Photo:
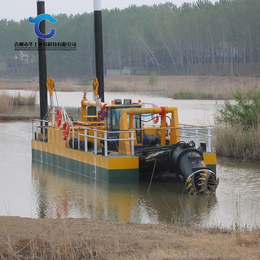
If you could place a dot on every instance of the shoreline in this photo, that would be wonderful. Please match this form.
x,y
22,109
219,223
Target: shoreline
x,y
11,118
219,87
23,238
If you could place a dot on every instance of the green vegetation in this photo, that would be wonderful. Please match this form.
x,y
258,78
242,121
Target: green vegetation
x,y
199,38
86,80
238,130
246,113
192,95
153,78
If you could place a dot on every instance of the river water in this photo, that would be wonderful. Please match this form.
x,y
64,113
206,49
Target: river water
x,y
30,189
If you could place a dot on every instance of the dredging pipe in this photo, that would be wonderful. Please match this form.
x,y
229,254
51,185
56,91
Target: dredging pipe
x,y
191,168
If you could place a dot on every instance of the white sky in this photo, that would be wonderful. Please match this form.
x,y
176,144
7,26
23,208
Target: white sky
x,y
20,9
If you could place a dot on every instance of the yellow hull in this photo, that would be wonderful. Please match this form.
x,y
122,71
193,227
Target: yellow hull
x,y
115,168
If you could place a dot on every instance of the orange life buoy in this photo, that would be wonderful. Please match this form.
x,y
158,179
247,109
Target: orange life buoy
x,y
59,116
65,130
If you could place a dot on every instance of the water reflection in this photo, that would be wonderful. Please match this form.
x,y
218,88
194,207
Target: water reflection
x,y
172,205
62,194
25,110
239,193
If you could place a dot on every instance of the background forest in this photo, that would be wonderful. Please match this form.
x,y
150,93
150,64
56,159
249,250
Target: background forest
x,y
202,38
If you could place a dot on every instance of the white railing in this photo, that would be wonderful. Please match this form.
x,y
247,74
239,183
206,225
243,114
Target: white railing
x,y
40,127
43,124
197,134
187,133
96,136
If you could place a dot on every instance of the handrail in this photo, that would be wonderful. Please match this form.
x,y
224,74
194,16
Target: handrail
x,y
43,124
191,132
105,138
197,134
39,124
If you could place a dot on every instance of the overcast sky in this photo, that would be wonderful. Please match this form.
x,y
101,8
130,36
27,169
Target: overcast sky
x,y
20,9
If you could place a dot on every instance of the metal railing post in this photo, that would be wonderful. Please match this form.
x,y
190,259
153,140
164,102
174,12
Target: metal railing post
x,y
132,143
34,131
68,140
105,142
95,141
196,138
43,137
183,134
78,139
209,140
86,139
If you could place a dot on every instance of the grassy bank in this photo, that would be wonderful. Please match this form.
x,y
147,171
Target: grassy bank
x,y
235,142
237,131
60,85
8,117
22,238
186,87
20,100
210,87
7,101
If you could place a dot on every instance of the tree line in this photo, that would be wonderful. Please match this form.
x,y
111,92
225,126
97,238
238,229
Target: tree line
x,y
199,38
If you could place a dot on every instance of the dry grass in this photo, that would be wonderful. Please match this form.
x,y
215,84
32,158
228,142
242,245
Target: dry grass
x,y
68,85
25,85
219,87
5,103
238,143
22,238
20,100
124,83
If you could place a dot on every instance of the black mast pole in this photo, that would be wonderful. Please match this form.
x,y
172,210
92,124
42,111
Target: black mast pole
x,y
42,63
99,47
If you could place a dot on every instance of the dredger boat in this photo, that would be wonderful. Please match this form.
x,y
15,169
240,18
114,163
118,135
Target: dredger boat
x,y
121,141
